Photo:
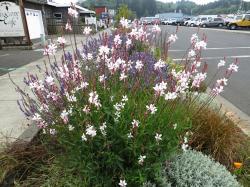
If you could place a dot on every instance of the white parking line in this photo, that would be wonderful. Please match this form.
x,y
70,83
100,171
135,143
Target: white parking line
x,y
215,58
225,48
223,30
4,55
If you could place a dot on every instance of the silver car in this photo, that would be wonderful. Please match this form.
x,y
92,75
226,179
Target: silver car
x,y
214,22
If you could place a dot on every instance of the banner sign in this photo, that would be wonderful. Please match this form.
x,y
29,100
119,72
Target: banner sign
x,y
11,24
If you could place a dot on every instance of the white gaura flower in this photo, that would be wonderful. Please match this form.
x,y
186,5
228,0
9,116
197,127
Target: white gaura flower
x,y
64,115
175,126
68,27
124,22
71,128
122,183
198,79
117,40
135,123
87,31
184,146
172,38
191,53
160,88
84,138
158,137
104,50
156,29
128,42
130,135
123,76
91,131
86,109
90,56
160,64
221,63
124,98
200,45
138,65
151,108
51,50
73,12
141,159
218,89
37,117
222,82
84,85
102,78
233,68
94,99
103,129
61,40
194,38
52,131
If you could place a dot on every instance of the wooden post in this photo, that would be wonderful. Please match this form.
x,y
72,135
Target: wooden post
x,y
25,25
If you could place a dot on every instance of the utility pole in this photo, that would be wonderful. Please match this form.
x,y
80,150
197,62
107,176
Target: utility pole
x,y
25,25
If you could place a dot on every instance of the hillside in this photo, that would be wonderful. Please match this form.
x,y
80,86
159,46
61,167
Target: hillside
x,y
151,7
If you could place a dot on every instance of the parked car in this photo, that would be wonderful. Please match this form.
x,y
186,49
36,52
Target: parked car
x,y
192,22
187,23
214,22
244,22
231,18
150,20
165,21
202,19
180,21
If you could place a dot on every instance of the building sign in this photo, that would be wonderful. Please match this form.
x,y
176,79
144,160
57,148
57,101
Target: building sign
x,y
11,24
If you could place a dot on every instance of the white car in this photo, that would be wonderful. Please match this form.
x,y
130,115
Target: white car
x,y
191,22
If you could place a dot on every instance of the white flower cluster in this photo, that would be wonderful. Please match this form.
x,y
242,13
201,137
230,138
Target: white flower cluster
x,y
198,79
160,88
73,12
151,108
159,65
124,23
172,38
119,106
94,99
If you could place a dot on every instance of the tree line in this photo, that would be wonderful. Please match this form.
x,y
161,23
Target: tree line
x,y
152,7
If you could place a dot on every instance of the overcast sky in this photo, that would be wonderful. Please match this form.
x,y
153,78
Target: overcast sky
x,y
196,1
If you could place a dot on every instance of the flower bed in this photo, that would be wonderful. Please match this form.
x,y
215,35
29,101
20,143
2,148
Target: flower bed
x,y
115,110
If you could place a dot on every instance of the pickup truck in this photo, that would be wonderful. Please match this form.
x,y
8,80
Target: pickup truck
x,y
244,22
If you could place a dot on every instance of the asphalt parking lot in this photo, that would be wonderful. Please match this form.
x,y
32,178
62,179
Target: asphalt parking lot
x,y
221,43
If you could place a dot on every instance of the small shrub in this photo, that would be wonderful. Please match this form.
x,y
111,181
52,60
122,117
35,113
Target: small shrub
x,y
194,169
216,135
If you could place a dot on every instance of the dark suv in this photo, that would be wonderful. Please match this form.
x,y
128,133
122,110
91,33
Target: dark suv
x,y
215,22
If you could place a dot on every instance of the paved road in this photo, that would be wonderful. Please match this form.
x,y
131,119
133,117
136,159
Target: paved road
x,y
11,59
221,43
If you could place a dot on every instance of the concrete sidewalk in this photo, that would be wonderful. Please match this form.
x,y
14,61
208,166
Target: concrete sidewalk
x,y
13,125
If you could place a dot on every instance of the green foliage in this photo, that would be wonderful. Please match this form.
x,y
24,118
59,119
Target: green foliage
x,y
102,160
124,12
194,169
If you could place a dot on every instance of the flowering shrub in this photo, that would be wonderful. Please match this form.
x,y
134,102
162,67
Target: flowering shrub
x,y
116,111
